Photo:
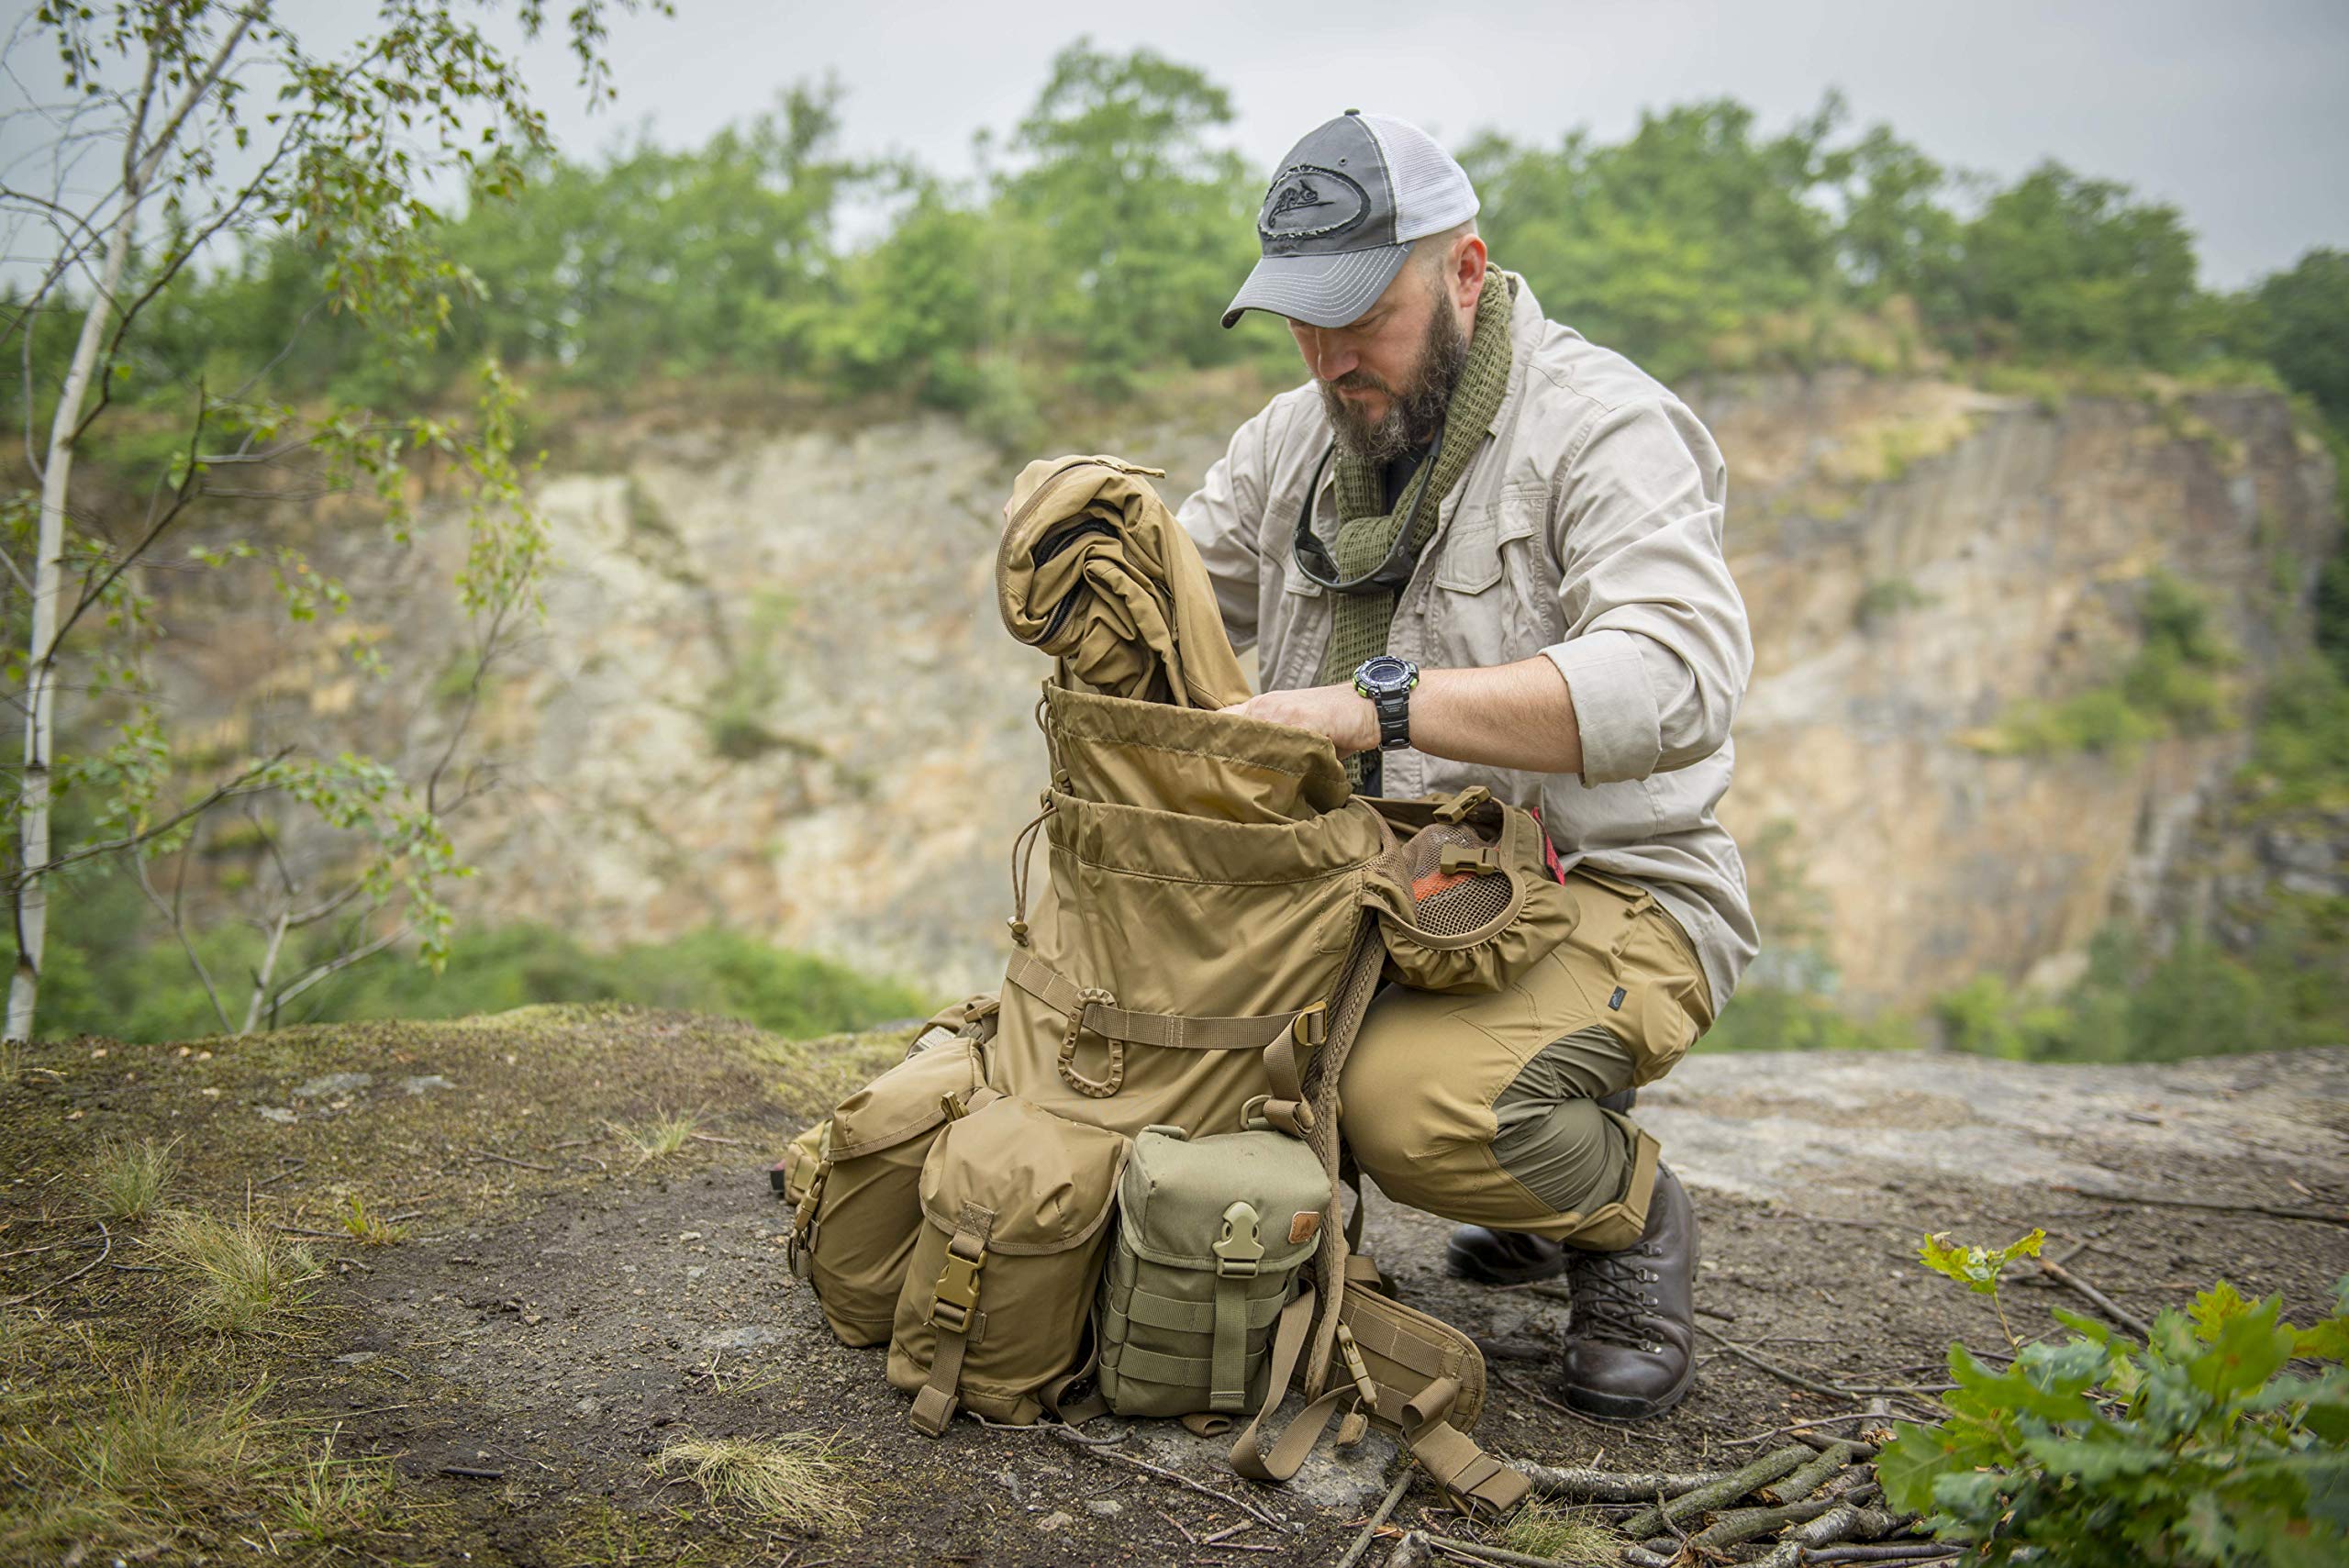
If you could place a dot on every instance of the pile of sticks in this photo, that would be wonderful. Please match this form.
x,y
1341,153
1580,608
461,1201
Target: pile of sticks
x,y
1810,1502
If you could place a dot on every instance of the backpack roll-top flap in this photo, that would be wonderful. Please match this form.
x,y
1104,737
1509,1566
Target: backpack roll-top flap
x,y
1211,1236
1016,1205
1198,761
855,1226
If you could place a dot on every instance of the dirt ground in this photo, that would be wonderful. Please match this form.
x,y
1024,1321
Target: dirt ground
x,y
559,1312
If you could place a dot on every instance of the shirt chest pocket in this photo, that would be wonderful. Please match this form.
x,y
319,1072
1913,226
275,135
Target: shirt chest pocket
x,y
1495,593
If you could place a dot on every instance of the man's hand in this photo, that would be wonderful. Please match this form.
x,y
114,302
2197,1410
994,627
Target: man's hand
x,y
1342,714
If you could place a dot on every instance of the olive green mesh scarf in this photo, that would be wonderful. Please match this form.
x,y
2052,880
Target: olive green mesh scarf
x,y
1359,622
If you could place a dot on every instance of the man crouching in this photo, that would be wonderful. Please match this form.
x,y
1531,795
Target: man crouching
x,y
1480,550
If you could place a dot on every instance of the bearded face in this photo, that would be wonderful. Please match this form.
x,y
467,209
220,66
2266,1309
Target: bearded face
x,y
1414,410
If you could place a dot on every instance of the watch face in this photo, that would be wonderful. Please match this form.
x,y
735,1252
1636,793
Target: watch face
x,y
1386,673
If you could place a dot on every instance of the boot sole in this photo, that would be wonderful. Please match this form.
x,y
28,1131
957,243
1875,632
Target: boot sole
x,y
1623,1412
1461,1263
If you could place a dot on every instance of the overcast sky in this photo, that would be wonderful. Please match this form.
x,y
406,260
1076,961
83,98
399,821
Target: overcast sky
x,y
2235,110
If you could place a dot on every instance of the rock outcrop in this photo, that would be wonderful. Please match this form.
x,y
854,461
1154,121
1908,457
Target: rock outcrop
x,y
770,689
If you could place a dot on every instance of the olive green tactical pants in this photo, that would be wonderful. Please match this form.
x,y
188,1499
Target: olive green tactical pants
x,y
1481,1108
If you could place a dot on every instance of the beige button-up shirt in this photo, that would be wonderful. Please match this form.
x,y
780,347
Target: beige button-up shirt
x,y
1587,528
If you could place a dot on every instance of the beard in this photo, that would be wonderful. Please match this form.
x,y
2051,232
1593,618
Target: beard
x,y
1415,411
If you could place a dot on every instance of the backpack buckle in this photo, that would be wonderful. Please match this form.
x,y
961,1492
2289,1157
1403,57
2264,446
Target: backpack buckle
x,y
1356,1368
1311,1025
1456,809
1239,1250
958,1290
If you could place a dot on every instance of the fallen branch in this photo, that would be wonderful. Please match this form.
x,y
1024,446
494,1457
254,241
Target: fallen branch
x,y
1849,1522
1832,1461
2274,1211
2104,1303
1111,1456
1735,1525
1901,1551
1411,1552
1728,1489
1370,1531
1834,1390
1803,1430
105,1253
1607,1486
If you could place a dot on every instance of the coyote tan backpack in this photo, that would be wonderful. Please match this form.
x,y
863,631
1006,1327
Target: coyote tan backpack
x,y
856,1220
1015,1213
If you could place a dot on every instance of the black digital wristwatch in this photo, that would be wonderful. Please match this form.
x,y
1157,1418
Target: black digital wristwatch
x,y
1388,681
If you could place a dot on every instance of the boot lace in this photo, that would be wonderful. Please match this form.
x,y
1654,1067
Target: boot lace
x,y
1610,1303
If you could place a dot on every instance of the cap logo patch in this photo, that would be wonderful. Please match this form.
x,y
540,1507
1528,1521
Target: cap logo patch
x,y
1310,202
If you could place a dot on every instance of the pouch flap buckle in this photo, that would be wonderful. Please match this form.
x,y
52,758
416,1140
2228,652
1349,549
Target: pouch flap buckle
x,y
958,1290
1239,1250
1311,1025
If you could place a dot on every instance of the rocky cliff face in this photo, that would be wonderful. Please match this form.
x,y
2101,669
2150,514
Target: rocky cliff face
x,y
770,689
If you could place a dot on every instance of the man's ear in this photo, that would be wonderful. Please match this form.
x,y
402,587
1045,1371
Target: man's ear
x,y
1466,273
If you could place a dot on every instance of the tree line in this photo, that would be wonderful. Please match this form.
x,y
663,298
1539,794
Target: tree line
x,y
1102,237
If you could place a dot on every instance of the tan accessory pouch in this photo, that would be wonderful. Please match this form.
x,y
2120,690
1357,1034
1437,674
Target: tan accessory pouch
x,y
1416,1375
1465,900
1015,1205
854,1225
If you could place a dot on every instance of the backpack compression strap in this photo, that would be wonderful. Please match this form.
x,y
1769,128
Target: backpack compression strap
x,y
954,1316
1277,1035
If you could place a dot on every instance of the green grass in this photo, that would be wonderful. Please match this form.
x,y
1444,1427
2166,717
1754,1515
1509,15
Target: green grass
x,y
664,1135
236,1277
127,1181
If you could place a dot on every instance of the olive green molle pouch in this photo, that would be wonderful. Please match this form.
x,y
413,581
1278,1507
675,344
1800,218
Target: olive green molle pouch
x,y
857,1217
1016,1205
1465,899
1212,1236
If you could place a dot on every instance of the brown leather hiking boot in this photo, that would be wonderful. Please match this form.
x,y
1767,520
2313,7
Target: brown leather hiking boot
x,y
1502,1257
1633,1350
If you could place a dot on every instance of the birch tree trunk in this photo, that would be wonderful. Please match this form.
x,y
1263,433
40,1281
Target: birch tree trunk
x,y
139,166
48,585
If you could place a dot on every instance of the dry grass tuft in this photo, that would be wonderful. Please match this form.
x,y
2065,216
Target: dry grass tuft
x,y
235,1278
1562,1535
796,1479
128,1180
666,1133
367,1227
168,1465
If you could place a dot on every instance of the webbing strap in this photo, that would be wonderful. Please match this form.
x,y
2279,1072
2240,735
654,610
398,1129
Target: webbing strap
x,y
1054,1395
953,1307
1277,1035
1227,1380
1289,1450
1478,1483
1155,1311
1174,1031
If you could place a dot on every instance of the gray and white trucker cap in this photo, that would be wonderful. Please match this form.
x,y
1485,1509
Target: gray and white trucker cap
x,y
1341,214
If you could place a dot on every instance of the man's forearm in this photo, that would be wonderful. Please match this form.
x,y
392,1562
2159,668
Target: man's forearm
x,y
1517,715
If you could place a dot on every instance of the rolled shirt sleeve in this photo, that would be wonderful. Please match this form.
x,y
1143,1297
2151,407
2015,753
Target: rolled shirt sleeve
x,y
1223,518
1656,652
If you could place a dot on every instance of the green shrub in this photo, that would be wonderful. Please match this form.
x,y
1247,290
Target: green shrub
x,y
2200,1447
